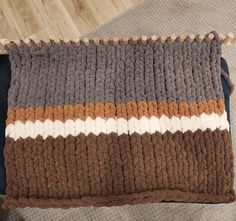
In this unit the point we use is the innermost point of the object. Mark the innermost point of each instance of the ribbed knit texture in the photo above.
(115, 124)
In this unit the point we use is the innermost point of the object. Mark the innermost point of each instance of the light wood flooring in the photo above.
(43, 19)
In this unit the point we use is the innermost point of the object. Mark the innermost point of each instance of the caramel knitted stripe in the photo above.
(109, 110)
(154, 172)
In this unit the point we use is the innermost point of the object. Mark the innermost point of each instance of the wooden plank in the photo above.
(26, 17)
(8, 27)
(130, 3)
(119, 5)
(57, 18)
(105, 9)
(81, 14)
(43, 34)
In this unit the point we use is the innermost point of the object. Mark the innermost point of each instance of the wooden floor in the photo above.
(56, 18)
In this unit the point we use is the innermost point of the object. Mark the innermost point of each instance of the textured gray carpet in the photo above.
(155, 17)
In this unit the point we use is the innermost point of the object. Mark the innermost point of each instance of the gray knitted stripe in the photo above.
(215, 68)
(129, 74)
(35, 79)
(120, 74)
(110, 75)
(149, 72)
(52, 72)
(187, 69)
(179, 73)
(24, 77)
(197, 70)
(139, 73)
(16, 67)
(159, 75)
(100, 73)
(169, 72)
(90, 74)
(80, 75)
(42, 80)
(67, 74)
(70, 76)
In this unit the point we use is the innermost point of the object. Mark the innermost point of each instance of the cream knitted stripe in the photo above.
(120, 126)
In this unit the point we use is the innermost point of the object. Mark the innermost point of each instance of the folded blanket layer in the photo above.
(116, 124)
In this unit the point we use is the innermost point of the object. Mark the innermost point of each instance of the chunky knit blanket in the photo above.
(113, 124)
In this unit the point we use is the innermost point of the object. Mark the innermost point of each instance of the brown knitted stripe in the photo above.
(112, 170)
(110, 110)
